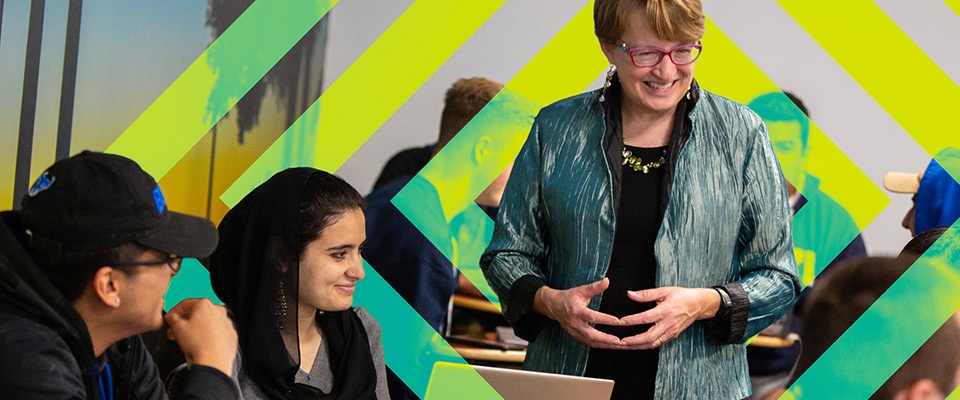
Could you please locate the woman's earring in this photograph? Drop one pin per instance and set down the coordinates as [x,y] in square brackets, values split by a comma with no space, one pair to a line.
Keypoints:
[117,299]
[607,83]
[280,306]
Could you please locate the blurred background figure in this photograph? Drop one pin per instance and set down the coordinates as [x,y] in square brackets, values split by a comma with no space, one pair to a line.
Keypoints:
[936,193]
[421,268]
[920,243]
[843,294]
[825,235]
[406,163]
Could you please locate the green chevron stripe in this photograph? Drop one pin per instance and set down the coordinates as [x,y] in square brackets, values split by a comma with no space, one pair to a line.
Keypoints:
[343,118]
[180,117]
[956,392]
[854,190]
[862,46]
[369,92]
[885,336]
[411,346]
[505,122]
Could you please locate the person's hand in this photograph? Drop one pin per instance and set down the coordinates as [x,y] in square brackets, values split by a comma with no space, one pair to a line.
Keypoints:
[204,332]
[569,308]
[676,309]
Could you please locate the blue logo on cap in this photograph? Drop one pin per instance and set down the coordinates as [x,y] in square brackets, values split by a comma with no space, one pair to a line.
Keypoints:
[159,200]
[42,183]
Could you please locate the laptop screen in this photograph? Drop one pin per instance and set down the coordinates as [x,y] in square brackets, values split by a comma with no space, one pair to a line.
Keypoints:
[513,384]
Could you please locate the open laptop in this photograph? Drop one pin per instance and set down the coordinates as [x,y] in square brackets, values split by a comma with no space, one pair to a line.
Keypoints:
[450,380]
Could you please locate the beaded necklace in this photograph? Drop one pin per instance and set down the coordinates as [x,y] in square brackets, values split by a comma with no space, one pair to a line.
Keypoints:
[636,163]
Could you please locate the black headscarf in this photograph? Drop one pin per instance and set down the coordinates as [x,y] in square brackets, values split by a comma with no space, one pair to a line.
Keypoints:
[255,271]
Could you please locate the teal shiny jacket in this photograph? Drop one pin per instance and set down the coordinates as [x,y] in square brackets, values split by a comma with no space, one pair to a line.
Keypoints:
[726,223]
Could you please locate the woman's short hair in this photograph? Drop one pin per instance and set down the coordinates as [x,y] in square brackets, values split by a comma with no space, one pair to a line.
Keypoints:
[673,20]
[325,198]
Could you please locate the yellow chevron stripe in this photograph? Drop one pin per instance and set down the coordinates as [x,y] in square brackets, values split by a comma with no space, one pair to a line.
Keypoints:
[564,67]
[863,46]
[955,6]
[369,92]
[181,116]
[851,187]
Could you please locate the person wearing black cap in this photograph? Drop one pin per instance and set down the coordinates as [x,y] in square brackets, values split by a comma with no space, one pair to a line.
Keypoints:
[83,270]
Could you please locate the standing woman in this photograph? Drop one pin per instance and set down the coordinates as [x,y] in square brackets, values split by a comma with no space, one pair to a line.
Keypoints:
[286,267]
[644,234]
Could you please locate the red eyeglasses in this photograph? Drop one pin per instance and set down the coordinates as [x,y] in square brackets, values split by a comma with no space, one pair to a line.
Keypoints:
[651,56]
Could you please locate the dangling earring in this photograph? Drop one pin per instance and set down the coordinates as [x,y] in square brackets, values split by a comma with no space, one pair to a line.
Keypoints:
[280,307]
[689,95]
[607,83]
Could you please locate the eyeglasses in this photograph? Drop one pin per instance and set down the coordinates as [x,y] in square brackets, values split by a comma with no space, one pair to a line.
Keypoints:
[651,56]
[174,263]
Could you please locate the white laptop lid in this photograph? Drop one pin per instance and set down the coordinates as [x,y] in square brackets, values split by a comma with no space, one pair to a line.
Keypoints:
[513,384]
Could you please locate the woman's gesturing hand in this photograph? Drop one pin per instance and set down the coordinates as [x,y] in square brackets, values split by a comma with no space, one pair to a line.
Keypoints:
[676,309]
[569,308]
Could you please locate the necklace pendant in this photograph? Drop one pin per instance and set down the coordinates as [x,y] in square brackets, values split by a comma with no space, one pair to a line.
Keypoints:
[636,163]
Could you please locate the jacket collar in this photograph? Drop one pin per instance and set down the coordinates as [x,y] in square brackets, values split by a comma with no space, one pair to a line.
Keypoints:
[613,136]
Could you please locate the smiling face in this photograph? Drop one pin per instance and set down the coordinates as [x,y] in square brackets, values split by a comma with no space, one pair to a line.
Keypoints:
[331,265]
[646,90]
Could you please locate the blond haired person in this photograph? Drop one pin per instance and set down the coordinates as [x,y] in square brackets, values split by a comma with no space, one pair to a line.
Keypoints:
[645,231]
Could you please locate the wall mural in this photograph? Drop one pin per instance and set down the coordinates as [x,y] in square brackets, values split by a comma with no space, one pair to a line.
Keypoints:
[232,94]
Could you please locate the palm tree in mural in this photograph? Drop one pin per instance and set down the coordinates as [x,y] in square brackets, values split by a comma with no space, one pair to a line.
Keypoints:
[292,81]
[291,78]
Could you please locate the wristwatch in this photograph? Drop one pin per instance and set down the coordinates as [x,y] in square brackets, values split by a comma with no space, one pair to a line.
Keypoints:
[725,303]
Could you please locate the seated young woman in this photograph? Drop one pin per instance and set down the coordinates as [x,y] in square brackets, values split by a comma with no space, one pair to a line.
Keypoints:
[286,267]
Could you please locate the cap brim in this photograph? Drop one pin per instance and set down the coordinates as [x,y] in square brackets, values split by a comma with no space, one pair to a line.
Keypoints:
[901,182]
[184,235]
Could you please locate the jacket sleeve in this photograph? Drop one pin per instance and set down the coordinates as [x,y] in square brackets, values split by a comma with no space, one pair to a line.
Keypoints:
[512,261]
[135,374]
[768,283]
[38,366]
[140,372]
[203,382]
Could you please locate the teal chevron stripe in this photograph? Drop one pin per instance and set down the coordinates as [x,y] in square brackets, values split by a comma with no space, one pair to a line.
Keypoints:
[458,174]
[411,346]
[859,195]
[891,330]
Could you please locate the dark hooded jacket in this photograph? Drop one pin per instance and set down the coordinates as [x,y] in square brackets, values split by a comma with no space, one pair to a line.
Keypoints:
[46,349]
[255,271]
